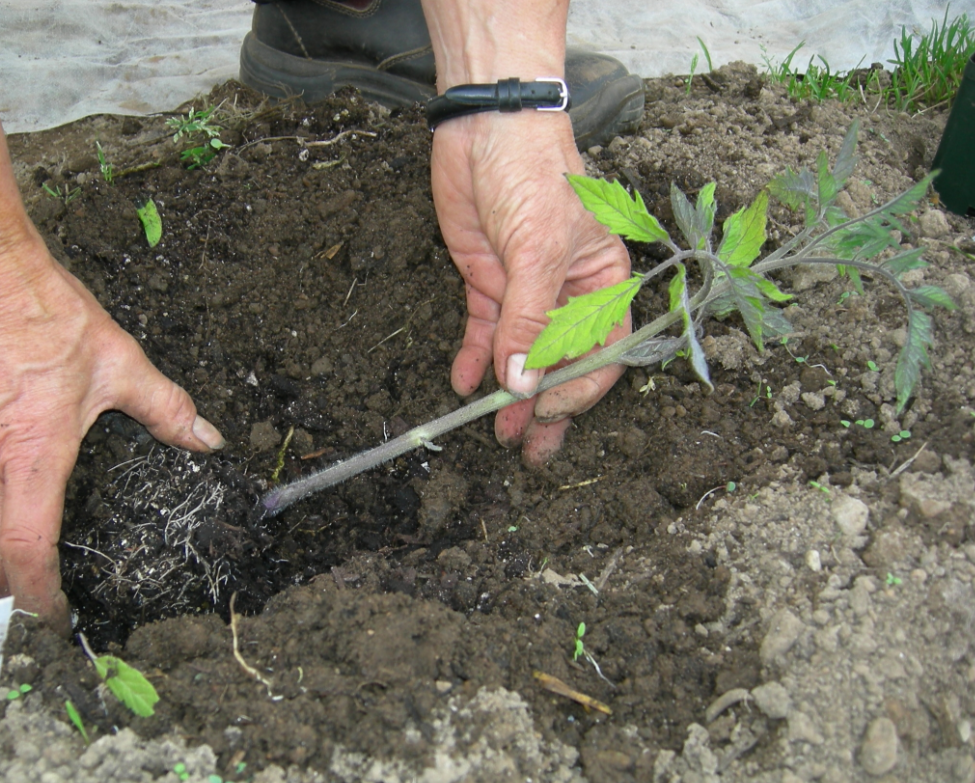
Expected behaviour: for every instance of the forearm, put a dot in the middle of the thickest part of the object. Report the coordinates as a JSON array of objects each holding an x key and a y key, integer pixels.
[
  {"x": 478, "y": 41},
  {"x": 16, "y": 230}
]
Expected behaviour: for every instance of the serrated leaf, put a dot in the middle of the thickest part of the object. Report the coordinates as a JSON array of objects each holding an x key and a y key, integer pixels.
[
  {"x": 128, "y": 684},
  {"x": 794, "y": 188},
  {"x": 583, "y": 322},
  {"x": 613, "y": 207},
  {"x": 913, "y": 356},
  {"x": 770, "y": 290},
  {"x": 747, "y": 301},
  {"x": 846, "y": 160},
  {"x": 825, "y": 181},
  {"x": 652, "y": 351},
  {"x": 904, "y": 262},
  {"x": 151, "y": 222},
  {"x": 744, "y": 233},
  {"x": 775, "y": 324},
  {"x": 680, "y": 302},
  {"x": 931, "y": 296},
  {"x": 695, "y": 222}
]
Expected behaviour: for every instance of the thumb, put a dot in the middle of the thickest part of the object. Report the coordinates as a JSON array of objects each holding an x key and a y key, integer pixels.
[
  {"x": 163, "y": 407},
  {"x": 533, "y": 286}
]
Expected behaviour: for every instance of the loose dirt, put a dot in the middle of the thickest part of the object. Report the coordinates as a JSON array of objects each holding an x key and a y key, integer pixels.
[{"x": 811, "y": 621}]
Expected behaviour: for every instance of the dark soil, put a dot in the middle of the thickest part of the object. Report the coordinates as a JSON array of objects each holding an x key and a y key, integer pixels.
[{"x": 306, "y": 287}]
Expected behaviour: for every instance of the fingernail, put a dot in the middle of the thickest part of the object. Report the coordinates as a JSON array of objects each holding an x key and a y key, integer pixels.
[
  {"x": 521, "y": 382},
  {"x": 209, "y": 434}
]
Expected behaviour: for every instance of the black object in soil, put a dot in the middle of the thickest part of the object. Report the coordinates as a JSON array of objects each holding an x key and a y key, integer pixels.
[{"x": 956, "y": 152}]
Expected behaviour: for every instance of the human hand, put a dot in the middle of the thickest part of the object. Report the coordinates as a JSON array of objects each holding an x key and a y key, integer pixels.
[
  {"x": 63, "y": 361},
  {"x": 523, "y": 244}
]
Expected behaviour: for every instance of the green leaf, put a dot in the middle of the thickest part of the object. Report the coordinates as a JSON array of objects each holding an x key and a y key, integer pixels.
[
  {"x": 744, "y": 233},
  {"x": 680, "y": 302},
  {"x": 695, "y": 222},
  {"x": 794, "y": 189},
  {"x": 931, "y": 296},
  {"x": 128, "y": 684},
  {"x": 913, "y": 356},
  {"x": 151, "y": 222},
  {"x": 846, "y": 160},
  {"x": 770, "y": 290},
  {"x": 744, "y": 293},
  {"x": 75, "y": 718},
  {"x": 615, "y": 209},
  {"x": 825, "y": 181},
  {"x": 906, "y": 261},
  {"x": 583, "y": 322}
]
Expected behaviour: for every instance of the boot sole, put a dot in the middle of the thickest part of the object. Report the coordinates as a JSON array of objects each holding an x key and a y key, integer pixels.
[{"x": 283, "y": 75}]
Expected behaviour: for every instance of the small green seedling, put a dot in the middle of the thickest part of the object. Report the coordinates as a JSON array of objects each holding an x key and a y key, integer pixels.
[
  {"x": 579, "y": 647},
  {"x": 193, "y": 123},
  {"x": 198, "y": 157},
  {"x": 821, "y": 487},
  {"x": 902, "y": 435},
  {"x": 129, "y": 685},
  {"x": 872, "y": 366},
  {"x": 151, "y": 222},
  {"x": 106, "y": 168},
  {"x": 179, "y": 768},
  {"x": 16, "y": 693},
  {"x": 893, "y": 581},
  {"x": 67, "y": 196},
  {"x": 759, "y": 395},
  {"x": 198, "y": 124},
  {"x": 867, "y": 424},
  {"x": 75, "y": 718}
]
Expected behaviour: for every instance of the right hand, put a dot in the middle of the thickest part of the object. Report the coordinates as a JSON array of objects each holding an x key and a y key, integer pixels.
[{"x": 63, "y": 361}]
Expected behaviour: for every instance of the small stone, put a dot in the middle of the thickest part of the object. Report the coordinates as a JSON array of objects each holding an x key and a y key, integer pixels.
[
  {"x": 264, "y": 436},
  {"x": 934, "y": 224},
  {"x": 813, "y": 561},
  {"x": 963, "y": 769},
  {"x": 850, "y": 515},
  {"x": 803, "y": 729},
  {"x": 322, "y": 366},
  {"x": 784, "y": 630},
  {"x": 782, "y": 420},
  {"x": 815, "y": 401},
  {"x": 878, "y": 753},
  {"x": 443, "y": 686},
  {"x": 773, "y": 700}
]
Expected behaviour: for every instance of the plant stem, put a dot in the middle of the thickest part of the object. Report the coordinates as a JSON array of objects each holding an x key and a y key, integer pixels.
[{"x": 275, "y": 501}]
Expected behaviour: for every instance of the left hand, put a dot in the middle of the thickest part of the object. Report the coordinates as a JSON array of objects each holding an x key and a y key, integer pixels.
[{"x": 523, "y": 243}]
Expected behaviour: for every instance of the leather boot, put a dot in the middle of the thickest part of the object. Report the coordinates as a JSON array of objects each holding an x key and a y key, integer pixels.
[{"x": 312, "y": 48}]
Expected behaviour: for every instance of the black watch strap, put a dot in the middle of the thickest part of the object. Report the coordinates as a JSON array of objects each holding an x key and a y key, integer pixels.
[{"x": 508, "y": 95}]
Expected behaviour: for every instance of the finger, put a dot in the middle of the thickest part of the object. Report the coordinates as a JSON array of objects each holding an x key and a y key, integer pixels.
[
  {"x": 474, "y": 357},
  {"x": 579, "y": 395},
  {"x": 30, "y": 524},
  {"x": 542, "y": 440},
  {"x": 512, "y": 422},
  {"x": 165, "y": 409}
]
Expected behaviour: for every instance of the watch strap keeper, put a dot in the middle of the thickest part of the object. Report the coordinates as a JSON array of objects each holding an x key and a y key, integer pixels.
[{"x": 508, "y": 95}]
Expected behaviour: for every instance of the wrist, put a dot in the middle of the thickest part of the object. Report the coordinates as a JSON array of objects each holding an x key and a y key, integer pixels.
[{"x": 482, "y": 41}]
